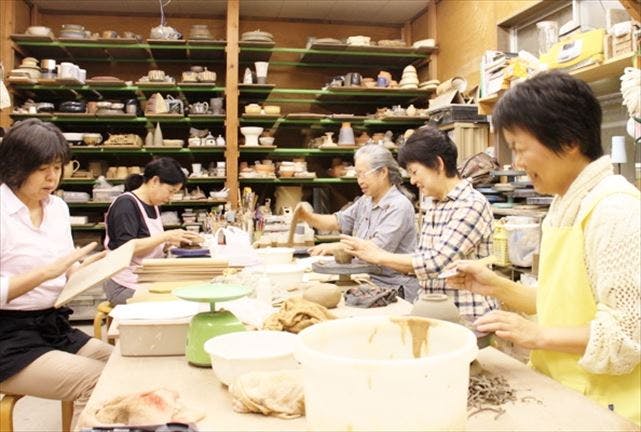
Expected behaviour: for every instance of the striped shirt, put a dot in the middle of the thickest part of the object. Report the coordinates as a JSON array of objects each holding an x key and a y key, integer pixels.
[{"x": 459, "y": 227}]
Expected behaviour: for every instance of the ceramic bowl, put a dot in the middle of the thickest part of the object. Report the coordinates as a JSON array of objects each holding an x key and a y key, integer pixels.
[
  {"x": 276, "y": 255},
  {"x": 266, "y": 141},
  {"x": 73, "y": 136},
  {"x": 271, "y": 109},
  {"x": 38, "y": 31},
  {"x": 252, "y": 109},
  {"x": 234, "y": 354},
  {"x": 217, "y": 195}
]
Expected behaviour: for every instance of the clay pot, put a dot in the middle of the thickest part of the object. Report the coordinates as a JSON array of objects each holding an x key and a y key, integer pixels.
[
  {"x": 342, "y": 257},
  {"x": 437, "y": 306}
]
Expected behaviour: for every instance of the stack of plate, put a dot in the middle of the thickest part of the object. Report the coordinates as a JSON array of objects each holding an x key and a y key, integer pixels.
[
  {"x": 256, "y": 36},
  {"x": 430, "y": 85},
  {"x": 72, "y": 31},
  {"x": 409, "y": 80}
]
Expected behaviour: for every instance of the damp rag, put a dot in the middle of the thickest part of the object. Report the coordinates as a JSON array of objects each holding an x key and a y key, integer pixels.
[
  {"x": 273, "y": 393},
  {"x": 297, "y": 314}
]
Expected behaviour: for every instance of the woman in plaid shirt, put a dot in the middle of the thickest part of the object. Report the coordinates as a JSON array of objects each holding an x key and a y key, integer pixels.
[{"x": 457, "y": 223}]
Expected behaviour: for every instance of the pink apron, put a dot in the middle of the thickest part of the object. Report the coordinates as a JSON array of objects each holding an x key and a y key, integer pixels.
[{"x": 127, "y": 277}]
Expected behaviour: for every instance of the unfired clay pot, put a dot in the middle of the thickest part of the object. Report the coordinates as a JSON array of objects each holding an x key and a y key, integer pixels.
[{"x": 437, "y": 306}]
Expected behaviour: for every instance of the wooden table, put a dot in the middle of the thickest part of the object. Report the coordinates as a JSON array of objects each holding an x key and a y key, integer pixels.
[{"x": 559, "y": 407}]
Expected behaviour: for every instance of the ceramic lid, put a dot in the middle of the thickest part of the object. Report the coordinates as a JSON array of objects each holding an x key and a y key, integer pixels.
[
  {"x": 256, "y": 34},
  {"x": 208, "y": 293}
]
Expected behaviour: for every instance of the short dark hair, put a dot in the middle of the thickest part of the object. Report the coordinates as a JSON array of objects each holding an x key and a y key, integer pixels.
[
  {"x": 27, "y": 145},
  {"x": 559, "y": 110},
  {"x": 425, "y": 146},
  {"x": 167, "y": 169},
  {"x": 133, "y": 182}
]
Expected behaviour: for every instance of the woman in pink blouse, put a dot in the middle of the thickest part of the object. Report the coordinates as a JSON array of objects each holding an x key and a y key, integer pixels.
[{"x": 42, "y": 355}]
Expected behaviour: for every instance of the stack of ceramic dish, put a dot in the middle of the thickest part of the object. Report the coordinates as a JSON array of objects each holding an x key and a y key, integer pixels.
[
  {"x": 72, "y": 31},
  {"x": 392, "y": 43},
  {"x": 39, "y": 31},
  {"x": 430, "y": 85},
  {"x": 409, "y": 80},
  {"x": 200, "y": 31},
  {"x": 28, "y": 69},
  {"x": 256, "y": 36}
]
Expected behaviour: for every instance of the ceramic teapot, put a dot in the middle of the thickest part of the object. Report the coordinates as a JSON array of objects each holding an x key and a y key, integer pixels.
[{"x": 198, "y": 108}]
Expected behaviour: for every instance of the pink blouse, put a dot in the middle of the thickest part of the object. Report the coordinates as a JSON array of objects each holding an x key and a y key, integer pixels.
[{"x": 24, "y": 247}]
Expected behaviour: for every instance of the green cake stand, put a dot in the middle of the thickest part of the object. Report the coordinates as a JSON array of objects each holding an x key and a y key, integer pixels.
[{"x": 206, "y": 325}]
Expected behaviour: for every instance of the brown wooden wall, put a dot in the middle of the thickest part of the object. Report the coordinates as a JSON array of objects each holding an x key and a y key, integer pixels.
[{"x": 466, "y": 29}]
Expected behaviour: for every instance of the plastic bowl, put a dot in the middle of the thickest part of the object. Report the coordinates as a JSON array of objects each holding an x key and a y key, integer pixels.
[
  {"x": 234, "y": 354},
  {"x": 276, "y": 255}
]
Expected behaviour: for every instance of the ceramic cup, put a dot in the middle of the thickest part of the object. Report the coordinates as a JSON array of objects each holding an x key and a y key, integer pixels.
[
  {"x": 67, "y": 70},
  {"x": 134, "y": 170},
  {"x": 111, "y": 172},
  {"x": 196, "y": 168},
  {"x": 121, "y": 172},
  {"x": 199, "y": 108},
  {"x": 95, "y": 168},
  {"x": 70, "y": 168},
  {"x": 216, "y": 105},
  {"x": 109, "y": 34},
  {"x": 92, "y": 107},
  {"x": 261, "y": 71}
]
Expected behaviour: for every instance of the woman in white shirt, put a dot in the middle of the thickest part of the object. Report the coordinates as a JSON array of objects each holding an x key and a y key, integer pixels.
[{"x": 42, "y": 355}]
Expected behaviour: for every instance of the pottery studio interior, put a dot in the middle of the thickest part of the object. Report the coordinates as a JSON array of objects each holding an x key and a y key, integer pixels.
[{"x": 290, "y": 215}]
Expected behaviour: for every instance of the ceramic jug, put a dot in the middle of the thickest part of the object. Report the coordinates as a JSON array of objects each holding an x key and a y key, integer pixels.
[
  {"x": 174, "y": 105},
  {"x": 346, "y": 135},
  {"x": 199, "y": 108},
  {"x": 70, "y": 168},
  {"x": 437, "y": 306}
]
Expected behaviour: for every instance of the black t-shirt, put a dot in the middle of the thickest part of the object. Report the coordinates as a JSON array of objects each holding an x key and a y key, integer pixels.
[{"x": 125, "y": 222}]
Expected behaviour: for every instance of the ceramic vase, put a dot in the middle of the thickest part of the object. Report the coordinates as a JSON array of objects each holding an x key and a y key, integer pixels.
[
  {"x": 346, "y": 135},
  {"x": 158, "y": 136},
  {"x": 149, "y": 139},
  {"x": 437, "y": 306}
]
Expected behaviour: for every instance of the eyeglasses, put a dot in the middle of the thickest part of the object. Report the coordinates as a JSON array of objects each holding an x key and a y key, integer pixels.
[{"x": 366, "y": 173}]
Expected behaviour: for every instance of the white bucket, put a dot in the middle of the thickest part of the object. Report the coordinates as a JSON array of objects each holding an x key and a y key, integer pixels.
[
  {"x": 523, "y": 235},
  {"x": 361, "y": 374}
]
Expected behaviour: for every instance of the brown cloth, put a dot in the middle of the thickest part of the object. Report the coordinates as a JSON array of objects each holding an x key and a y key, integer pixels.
[
  {"x": 297, "y": 314},
  {"x": 152, "y": 407},
  {"x": 369, "y": 296},
  {"x": 276, "y": 393}
]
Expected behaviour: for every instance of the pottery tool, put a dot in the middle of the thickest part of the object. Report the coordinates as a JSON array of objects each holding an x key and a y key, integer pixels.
[{"x": 448, "y": 273}]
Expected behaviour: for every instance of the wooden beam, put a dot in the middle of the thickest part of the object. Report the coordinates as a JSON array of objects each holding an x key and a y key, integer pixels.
[
  {"x": 406, "y": 33},
  {"x": 231, "y": 97},
  {"x": 7, "y": 26},
  {"x": 633, "y": 7},
  {"x": 431, "y": 31}
]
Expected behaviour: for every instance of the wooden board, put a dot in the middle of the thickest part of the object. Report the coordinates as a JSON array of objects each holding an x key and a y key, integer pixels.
[
  {"x": 181, "y": 262},
  {"x": 96, "y": 272}
]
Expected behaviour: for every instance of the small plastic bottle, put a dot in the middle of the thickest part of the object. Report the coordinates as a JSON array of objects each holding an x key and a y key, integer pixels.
[{"x": 264, "y": 290}]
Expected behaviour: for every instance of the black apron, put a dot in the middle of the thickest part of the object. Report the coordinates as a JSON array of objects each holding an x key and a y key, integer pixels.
[{"x": 26, "y": 335}]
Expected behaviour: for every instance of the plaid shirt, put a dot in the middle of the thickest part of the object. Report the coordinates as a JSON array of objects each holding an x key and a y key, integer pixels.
[{"x": 460, "y": 227}]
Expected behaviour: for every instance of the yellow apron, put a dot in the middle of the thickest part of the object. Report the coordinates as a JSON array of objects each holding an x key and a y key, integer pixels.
[{"x": 565, "y": 299}]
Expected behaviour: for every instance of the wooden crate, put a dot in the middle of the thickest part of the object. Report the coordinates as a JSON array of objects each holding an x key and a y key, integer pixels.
[{"x": 470, "y": 138}]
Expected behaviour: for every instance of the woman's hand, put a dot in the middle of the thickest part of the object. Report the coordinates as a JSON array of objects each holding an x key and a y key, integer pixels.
[
  {"x": 178, "y": 236},
  {"x": 366, "y": 250},
  {"x": 323, "y": 249},
  {"x": 512, "y": 327},
  {"x": 62, "y": 265},
  {"x": 475, "y": 277}
]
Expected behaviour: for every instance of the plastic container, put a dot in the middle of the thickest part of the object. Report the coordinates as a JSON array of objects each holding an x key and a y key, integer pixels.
[
  {"x": 153, "y": 337},
  {"x": 523, "y": 236},
  {"x": 361, "y": 374}
]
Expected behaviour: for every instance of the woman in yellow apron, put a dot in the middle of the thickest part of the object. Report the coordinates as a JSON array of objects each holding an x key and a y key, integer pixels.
[{"x": 587, "y": 304}]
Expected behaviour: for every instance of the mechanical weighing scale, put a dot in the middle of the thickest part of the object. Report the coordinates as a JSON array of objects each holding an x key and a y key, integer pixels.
[{"x": 206, "y": 325}]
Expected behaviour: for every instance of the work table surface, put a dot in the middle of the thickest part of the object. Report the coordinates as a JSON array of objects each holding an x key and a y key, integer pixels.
[{"x": 551, "y": 407}]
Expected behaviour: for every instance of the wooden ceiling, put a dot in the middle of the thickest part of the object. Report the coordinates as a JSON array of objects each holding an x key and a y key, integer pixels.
[{"x": 392, "y": 12}]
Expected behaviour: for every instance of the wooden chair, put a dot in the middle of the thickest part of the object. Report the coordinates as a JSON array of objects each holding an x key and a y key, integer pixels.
[
  {"x": 102, "y": 318},
  {"x": 8, "y": 402}
]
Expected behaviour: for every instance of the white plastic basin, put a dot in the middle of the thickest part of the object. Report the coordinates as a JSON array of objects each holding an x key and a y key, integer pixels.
[
  {"x": 234, "y": 354},
  {"x": 361, "y": 374}
]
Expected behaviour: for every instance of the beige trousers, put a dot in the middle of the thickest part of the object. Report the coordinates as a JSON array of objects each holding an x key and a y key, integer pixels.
[{"x": 62, "y": 376}]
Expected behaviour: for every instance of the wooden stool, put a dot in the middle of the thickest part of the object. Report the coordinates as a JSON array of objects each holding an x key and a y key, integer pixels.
[
  {"x": 8, "y": 402},
  {"x": 102, "y": 317}
]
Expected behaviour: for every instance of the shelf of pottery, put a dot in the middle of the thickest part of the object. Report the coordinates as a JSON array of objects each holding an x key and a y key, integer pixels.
[
  {"x": 368, "y": 92},
  {"x": 116, "y": 119},
  {"x": 360, "y": 93}
]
